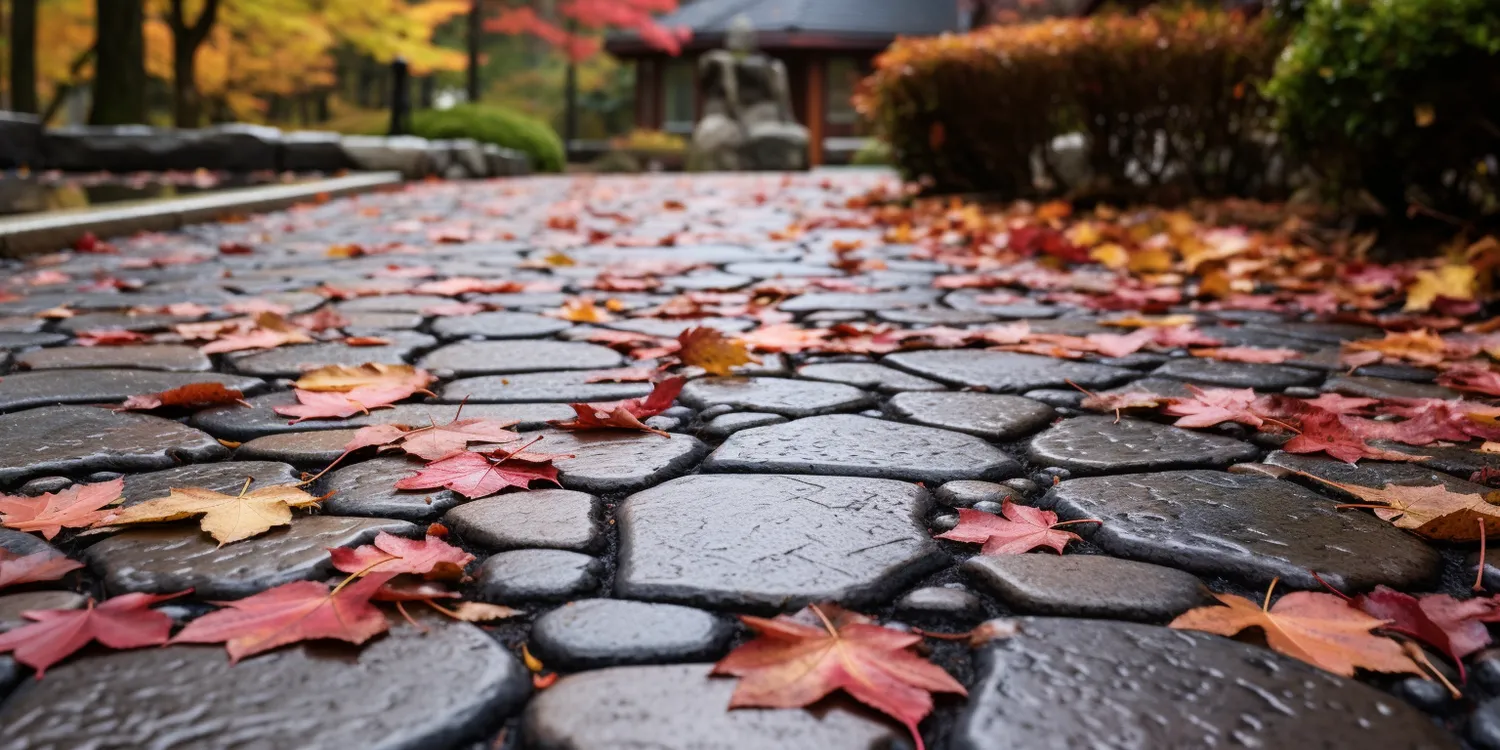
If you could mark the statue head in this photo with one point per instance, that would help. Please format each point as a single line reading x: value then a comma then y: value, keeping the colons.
x: 740, y: 38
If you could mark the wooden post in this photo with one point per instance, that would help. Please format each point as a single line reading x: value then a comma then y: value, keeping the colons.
x: 816, y: 108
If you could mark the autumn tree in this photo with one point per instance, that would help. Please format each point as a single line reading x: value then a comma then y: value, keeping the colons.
x: 120, y: 69
x: 186, y: 39
x: 23, y: 97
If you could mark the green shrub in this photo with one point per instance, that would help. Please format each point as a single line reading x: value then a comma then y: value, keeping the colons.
x: 1400, y: 97
x: 497, y: 125
x: 1168, y: 102
x: 876, y: 153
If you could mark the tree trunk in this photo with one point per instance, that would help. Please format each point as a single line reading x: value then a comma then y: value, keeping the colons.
x: 120, y: 68
x: 23, y: 56
x: 186, y: 39
x: 476, y: 21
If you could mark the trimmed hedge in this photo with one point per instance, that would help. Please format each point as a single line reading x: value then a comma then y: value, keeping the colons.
x: 1168, y: 102
x: 497, y: 125
x: 1400, y: 97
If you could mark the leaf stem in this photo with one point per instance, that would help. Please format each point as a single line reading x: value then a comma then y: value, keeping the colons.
x: 1479, y: 573
x: 1266, y: 605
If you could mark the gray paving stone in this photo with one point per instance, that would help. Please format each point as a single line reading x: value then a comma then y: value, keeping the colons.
x: 672, y: 328
x: 1100, y: 445
x: 1237, y: 374
x: 1368, y: 387
x: 1376, y: 474
x: 941, y: 603
x: 990, y: 416
x: 935, y: 316
x: 505, y: 357
x: 25, y: 390
x: 225, y: 476
x: 1459, y: 460
x: 724, y: 425
x: 441, y: 687
x: 1004, y: 371
x: 1065, y: 683
x: 168, y: 357
x: 291, y: 361
x: 1022, y: 309
x: 768, y: 543
x: 241, y: 424
x: 963, y: 493
x: 848, y: 445
x: 12, y: 605
x: 314, y: 448
x: 84, y: 439
x: 856, y: 301
x: 21, y: 324
x: 598, y: 633
x: 529, y: 575
x: 407, y: 303
x: 16, y: 341
x: 680, y: 707
x: 368, y: 488
x: 1245, y: 527
x: 169, y: 558
x: 791, y: 398
x: 1088, y: 586
x: 499, y: 325
x: 869, y: 376
x: 607, y: 461
x: 566, y: 386
x: 22, y: 543
x: 556, y: 519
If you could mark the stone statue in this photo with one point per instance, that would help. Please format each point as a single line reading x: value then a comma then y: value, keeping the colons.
x: 747, y: 114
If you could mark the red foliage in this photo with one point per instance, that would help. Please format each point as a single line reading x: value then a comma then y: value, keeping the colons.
x: 595, y: 15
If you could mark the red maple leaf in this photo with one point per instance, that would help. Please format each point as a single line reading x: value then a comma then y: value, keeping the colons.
x: 1449, y: 625
x: 625, y: 415
x: 292, y: 612
x: 1021, y: 530
x: 191, y: 396
x: 37, y: 566
x: 430, y: 557
x: 796, y: 661
x: 1326, y: 432
x: 1211, y: 406
x: 474, y: 474
x: 73, y: 508
x: 335, y: 405
x: 1472, y: 378
x: 126, y: 621
x: 110, y: 337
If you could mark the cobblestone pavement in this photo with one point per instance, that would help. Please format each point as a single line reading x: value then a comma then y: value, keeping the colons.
x: 810, y: 478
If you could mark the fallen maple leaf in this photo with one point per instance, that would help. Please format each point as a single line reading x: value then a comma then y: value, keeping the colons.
x: 344, y: 378
x: 335, y: 405
x: 73, y: 508
x: 228, y: 518
x: 623, y: 375
x: 792, y: 664
x: 1211, y: 406
x: 1451, y: 281
x: 109, y: 338
x: 1320, y: 629
x: 474, y: 474
x: 1326, y: 432
x: 292, y: 612
x: 582, y: 310
x: 1247, y: 354
x: 625, y: 415
x: 430, y: 557
x: 125, y: 621
x: 711, y: 350
x: 1434, y: 512
x: 438, y: 441
x: 1475, y: 379
x: 33, y: 568
x: 1449, y: 625
x: 191, y: 396
x: 1021, y: 530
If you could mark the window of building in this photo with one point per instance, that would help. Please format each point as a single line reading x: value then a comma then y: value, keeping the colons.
x: 843, y: 76
x: 679, y: 96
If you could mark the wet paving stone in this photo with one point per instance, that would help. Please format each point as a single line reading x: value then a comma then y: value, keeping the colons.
x: 1462, y: 461
x: 934, y: 316
x: 13, y: 605
x: 770, y: 543
x: 1087, y: 586
x: 990, y: 416
x: 368, y: 488
x: 849, y: 445
x: 297, y: 448
x: 83, y: 439
x: 499, y: 325
x: 25, y: 390
x: 1248, y: 528
x: 1004, y: 371
x: 724, y: 425
x: 940, y: 603
x: 1368, y: 387
x: 225, y: 476
x: 784, y: 396
x: 607, y: 461
x: 165, y: 559
x: 166, y: 357
x: 599, y: 633
x: 292, y: 361
x: 504, y: 357
x: 531, y: 575
x: 234, y: 422
x: 671, y: 329
x: 29, y: 340
x: 1376, y: 474
x: 964, y: 493
x: 567, y: 386
x: 554, y: 519
x: 21, y: 543
x: 855, y: 301
x: 869, y: 376
x: 1237, y: 374
x: 1100, y: 445
x: 1063, y: 683
x: 435, y: 688
x: 680, y: 707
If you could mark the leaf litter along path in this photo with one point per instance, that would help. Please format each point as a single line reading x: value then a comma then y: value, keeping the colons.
x: 1159, y: 408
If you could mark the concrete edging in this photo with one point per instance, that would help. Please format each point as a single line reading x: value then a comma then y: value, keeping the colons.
x: 55, y: 230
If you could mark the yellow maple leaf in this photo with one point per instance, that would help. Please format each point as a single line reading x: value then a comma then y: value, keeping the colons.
x: 711, y: 350
x: 228, y: 518
x: 1453, y: 281
x: 344, y: 378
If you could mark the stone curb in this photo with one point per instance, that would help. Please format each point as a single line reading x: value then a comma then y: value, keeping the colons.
x: 37, y: 233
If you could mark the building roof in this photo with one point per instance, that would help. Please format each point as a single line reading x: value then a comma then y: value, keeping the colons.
x: 847, y: 24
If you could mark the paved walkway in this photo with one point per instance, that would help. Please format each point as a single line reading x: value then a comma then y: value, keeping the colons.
x: 821, y: 474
